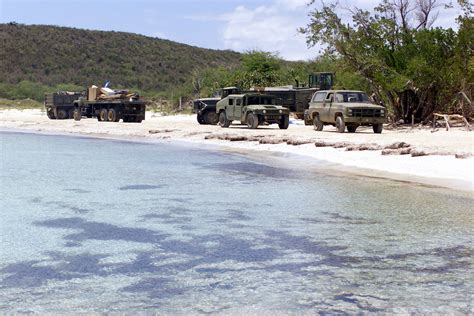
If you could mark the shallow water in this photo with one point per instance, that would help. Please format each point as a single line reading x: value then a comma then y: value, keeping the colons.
x: 103, y: 226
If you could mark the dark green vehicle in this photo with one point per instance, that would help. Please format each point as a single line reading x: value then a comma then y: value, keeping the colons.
x: 344, y: 108
x: 252, y: 109
x: 60, y: 105
x: 205, y: 109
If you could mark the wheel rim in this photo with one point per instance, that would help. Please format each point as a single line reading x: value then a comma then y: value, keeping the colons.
x: 103, y: 115
x: 111, y: 115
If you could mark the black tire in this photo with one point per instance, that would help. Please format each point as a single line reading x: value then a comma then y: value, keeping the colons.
x: 223, y: 121
x: 200, y: 119
x: 102, y: 117
x: 318, y: 125
x: 284, y: 122
x: 112, y: 115
x: 138, y: 120
x: 377, y: 128
x: 210, y: 117
x: 70, y: 114
x: 351, y: 128
x: 77, y: 115
x: 340, y: 125
x: 252, y: 121
x: 50, y: 114
x: 62, y: 114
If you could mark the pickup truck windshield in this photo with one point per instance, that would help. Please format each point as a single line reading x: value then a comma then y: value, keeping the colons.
x: 351, y: 97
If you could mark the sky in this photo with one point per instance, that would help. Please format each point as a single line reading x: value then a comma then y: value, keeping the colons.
x: 239, y: 25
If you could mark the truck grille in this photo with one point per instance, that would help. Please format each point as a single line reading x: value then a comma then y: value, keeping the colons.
x: 366, y: 112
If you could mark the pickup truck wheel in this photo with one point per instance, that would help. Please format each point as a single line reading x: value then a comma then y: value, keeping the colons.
x: 377, y: 128
x: 340, y: 125
x: 102, y: 115
x: 62, y: 114
x: 252, y: 120
x: 223, y: 121
x: 351, y: 128
x: 77, y: 115
x: 318, y: 125
x: 210, y: 117
x: 284, y: 122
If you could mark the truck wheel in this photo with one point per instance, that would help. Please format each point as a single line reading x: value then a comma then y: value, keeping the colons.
x: 77, y: 115
x: 284, y: 122
x: 112, y: 115
x: 71, y: 114
x: 223, y: 121
x: 340, y: 125
x: 210, y: 117
x: 318, y: 125
x: 252, y: 121
x: 200, y: 119
x: 61, y: 114
x: 102, y: 115
x: 50, y: 114
x: 377, y: 128
x: 351, y: 128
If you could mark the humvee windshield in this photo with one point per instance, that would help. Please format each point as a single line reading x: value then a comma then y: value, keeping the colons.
x: 260, y: 99
x: 351, y: 97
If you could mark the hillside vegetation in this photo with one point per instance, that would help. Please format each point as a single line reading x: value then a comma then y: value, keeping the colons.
x: 52, y: 55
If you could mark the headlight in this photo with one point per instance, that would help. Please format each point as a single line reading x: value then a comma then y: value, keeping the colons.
x: 349, y: 112
x: 264, y: 111
x: 280, y: 111
x: 382, y: 112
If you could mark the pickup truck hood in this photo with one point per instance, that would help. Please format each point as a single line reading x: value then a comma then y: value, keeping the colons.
x: 363, y: 106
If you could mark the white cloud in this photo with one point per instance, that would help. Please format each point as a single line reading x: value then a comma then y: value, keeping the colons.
x: 273, y: 27
x: 269, y: 28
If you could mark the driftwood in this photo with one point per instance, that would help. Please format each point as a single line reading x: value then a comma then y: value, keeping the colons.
x: 158, y: 131
x: 296, y: 142
x: 362, y: 147
x: 447, y: 118
x: 398, y: 151
x: 463, y: 155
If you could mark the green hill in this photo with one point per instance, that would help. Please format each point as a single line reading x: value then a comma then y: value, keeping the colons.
x: 53, y: 55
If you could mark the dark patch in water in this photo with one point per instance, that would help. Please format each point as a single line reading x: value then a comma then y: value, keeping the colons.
x: 140, y: 187
x: 350, y: 298
x: 81, y: 191
x: 156, y: 288
x: 251, y: 168
x: 102, y: 231
x: 34, y: 273
x: 238, y: 215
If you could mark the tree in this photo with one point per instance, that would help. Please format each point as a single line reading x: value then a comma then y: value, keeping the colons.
x: 405, y: 61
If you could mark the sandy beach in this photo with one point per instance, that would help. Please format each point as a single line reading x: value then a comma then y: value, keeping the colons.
x: 359, y: 153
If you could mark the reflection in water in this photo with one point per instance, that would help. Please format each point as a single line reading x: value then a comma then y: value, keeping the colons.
x: 218, y: 233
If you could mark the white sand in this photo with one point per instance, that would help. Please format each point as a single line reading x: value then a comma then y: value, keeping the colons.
x: 442, y: 169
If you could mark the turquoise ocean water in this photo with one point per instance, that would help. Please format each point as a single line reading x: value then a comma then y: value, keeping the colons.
x: 102, y: 226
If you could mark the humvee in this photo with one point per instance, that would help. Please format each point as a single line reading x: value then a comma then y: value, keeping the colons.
x: 344, y: 108
x: 252, y: 109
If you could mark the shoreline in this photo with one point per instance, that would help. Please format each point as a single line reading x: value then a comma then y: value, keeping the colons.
x: 452, y: 173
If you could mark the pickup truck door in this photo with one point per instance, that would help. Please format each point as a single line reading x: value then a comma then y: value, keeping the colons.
x: 326, y: 111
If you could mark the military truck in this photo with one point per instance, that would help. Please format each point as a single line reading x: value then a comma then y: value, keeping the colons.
x: 345, y: 108
x: 297, y: 97
x: 131, y: 110
x: 252, y: 109
x: 60, y: 105
x: 205, y: 108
